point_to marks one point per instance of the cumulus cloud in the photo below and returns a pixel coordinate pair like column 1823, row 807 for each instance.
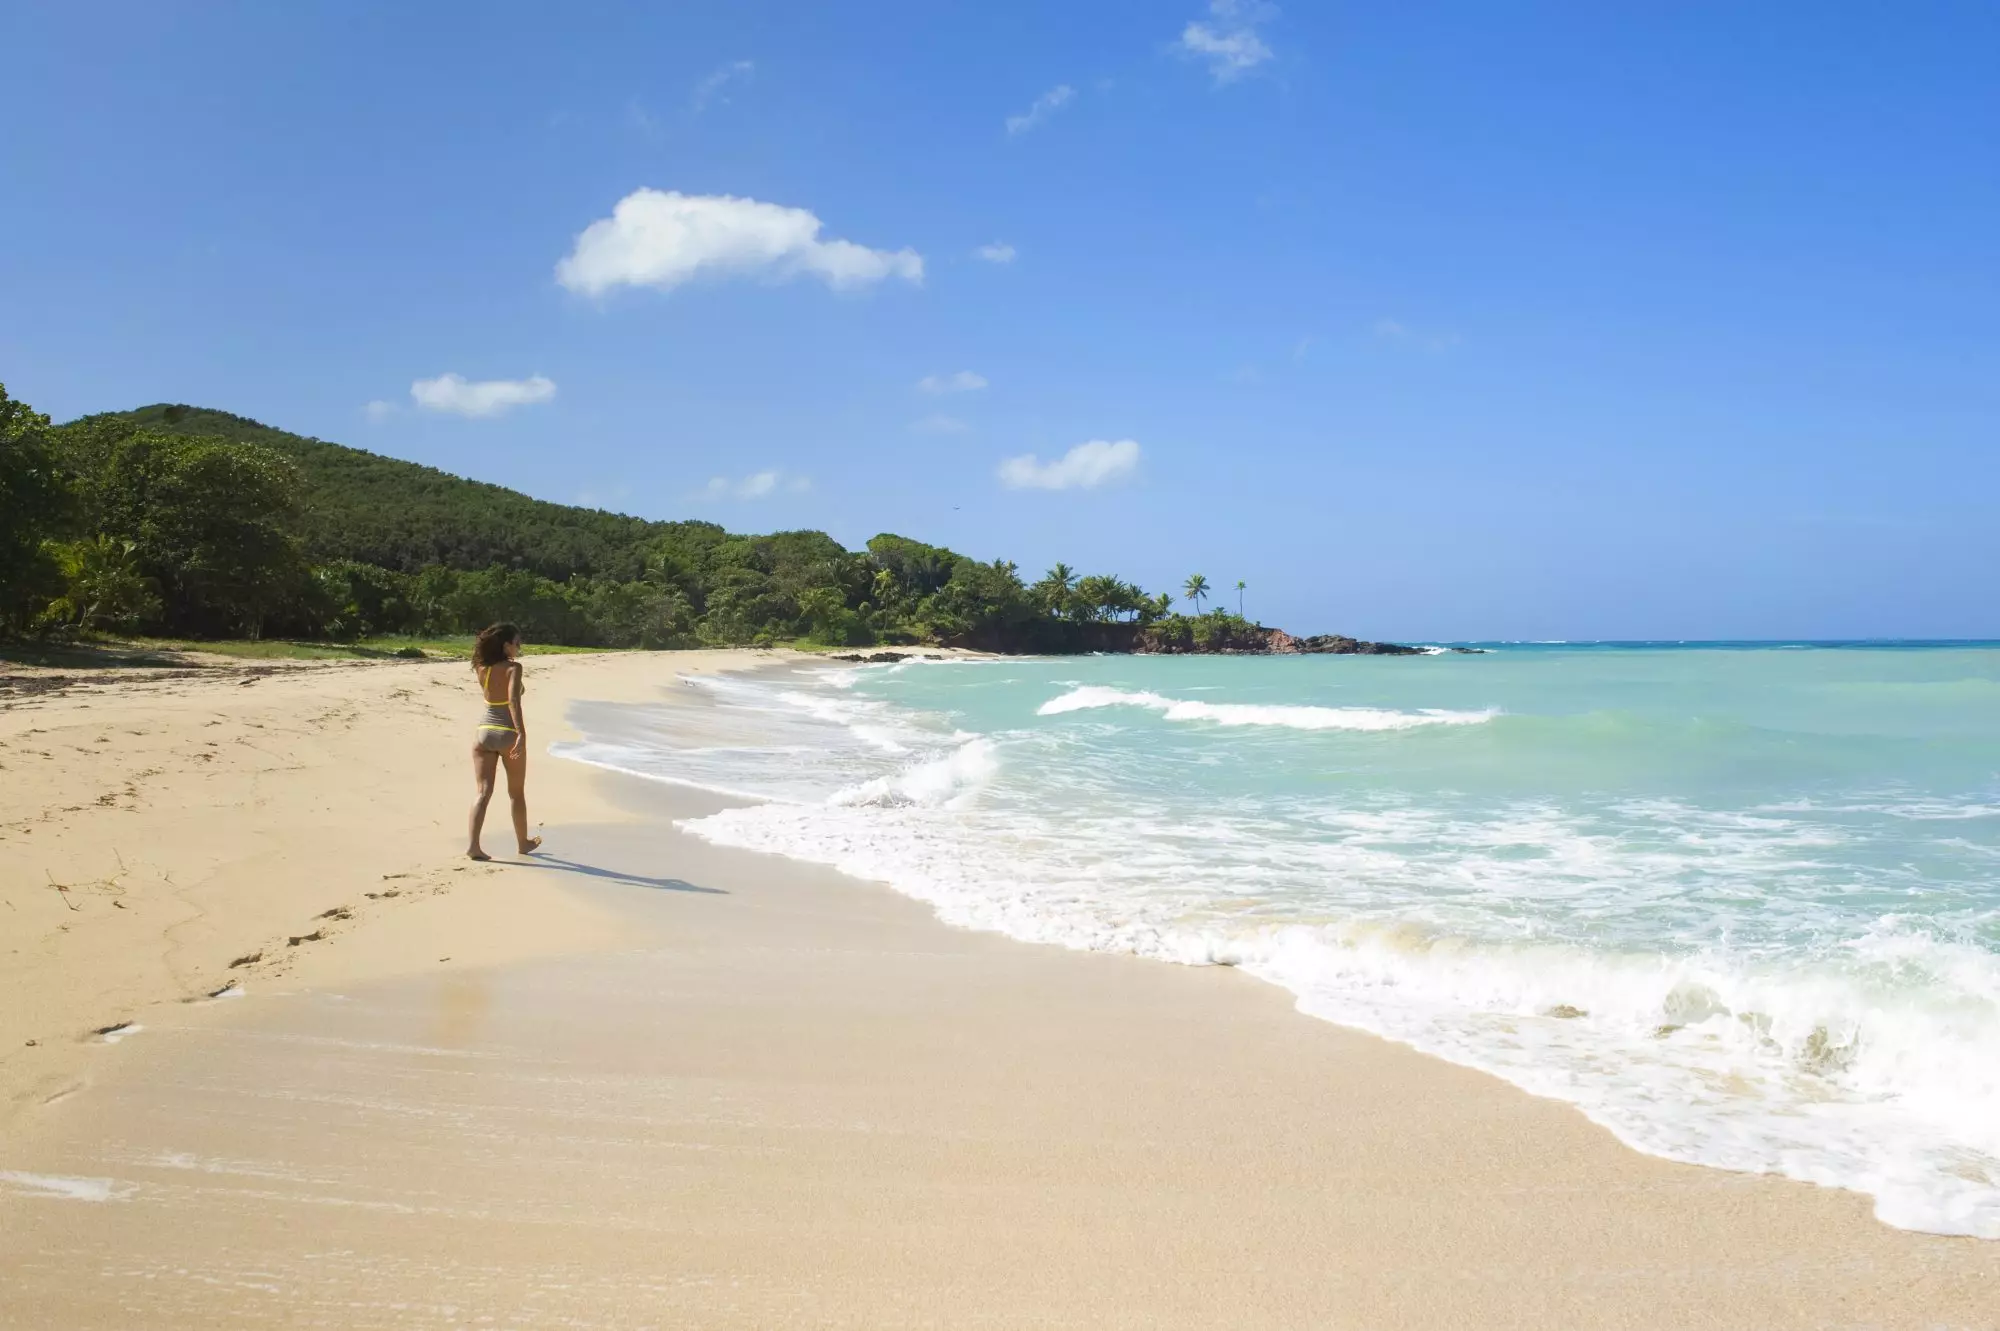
column 378, row 410
column 998, row 252
column 1228, row 40
column 940, row 424
column 1050, row 102
column 661, row 238
column 1084, row 467
column 710, row 88
column 457, row 396
column 757, row 485
column 965, row 381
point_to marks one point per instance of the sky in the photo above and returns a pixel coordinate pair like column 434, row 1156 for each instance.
column 1448, row 321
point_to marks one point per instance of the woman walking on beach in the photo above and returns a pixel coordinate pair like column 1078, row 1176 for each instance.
column 502, row 737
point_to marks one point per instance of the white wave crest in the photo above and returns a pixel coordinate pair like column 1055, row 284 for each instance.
column 1091, row 696
column 941, row 782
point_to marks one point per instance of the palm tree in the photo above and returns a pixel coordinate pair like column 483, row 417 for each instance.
column 1055, row 589
column 1195, row 588
column 1131, row 601
column 1240, row 585
column 1096, row 597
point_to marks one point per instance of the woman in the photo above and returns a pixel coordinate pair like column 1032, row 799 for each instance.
column 501, row 737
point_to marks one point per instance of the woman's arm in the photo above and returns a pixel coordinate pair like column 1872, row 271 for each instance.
column 514, row 706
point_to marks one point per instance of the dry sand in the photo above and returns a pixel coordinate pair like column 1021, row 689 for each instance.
column 661, row 1084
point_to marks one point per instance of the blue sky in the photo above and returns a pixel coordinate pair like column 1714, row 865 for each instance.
column 1444, row 320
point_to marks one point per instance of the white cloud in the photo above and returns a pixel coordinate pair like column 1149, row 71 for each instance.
column 998, row 252
column 1041, row 109
column 1229, row 40
column 661, row 238
column 489, row 397
column 965, row 381
column 706, row 91
column 940, row 424
column 757, row 485
column 1388, row 330
column 1082, row 468
column 378, row 410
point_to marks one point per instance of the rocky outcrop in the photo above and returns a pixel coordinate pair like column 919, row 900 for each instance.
column 1281, row 643
column 1179, row 636
column 884, row 658
column 1240, row 639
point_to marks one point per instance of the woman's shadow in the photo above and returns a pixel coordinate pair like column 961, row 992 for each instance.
column 548, row 861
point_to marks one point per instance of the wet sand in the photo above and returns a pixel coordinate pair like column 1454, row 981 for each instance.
column 749, row 1093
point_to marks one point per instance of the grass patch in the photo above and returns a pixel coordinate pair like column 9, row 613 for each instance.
column 101, row 650
column 267, row 649
column 86, row 655
column 455, row 647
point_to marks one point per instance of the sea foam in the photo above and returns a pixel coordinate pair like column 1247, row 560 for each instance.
column 1090, row 697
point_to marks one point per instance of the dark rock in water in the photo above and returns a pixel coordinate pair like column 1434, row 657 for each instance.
column 1467, row 651
column 873, row 658
column 1335, row 644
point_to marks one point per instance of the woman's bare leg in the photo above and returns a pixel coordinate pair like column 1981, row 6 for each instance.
column 483, row 762
column 517, row 796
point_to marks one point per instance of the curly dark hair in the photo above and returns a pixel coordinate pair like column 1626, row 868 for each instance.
column 491, row 648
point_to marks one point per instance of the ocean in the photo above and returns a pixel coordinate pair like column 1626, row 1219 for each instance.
column 1738, row 903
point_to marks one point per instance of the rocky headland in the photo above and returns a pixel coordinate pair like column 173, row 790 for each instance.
column 1173, row 638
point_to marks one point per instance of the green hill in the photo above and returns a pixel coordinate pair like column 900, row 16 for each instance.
column 403, row 516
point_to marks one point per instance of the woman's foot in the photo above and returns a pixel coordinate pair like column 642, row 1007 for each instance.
column 477, row 854
column 528, row 846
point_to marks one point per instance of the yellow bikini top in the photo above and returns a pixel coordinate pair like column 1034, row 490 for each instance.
column 487, row 693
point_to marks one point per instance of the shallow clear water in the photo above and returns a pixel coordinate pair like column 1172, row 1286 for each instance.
column 1741, row 905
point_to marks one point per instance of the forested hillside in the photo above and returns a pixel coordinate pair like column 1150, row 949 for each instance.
column 404, row 516
column 190, row 521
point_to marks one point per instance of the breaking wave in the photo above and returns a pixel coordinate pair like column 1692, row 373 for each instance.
column 1090, row 697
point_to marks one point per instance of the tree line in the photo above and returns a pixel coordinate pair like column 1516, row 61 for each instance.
column 186, row 522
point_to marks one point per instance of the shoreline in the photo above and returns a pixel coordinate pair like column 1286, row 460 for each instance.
column 840, row 1110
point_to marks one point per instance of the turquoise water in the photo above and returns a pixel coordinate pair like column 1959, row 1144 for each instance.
column 1740, row 904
